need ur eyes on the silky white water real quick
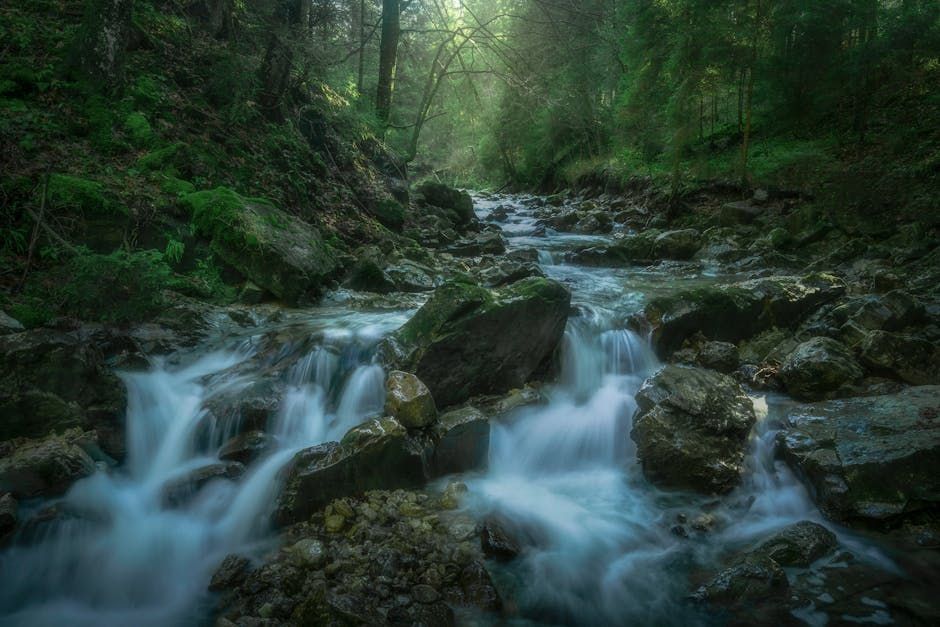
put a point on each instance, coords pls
(121, 554)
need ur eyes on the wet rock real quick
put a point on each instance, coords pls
(742, 212)
(48, 466)
(868, 461)
(906, 357)
(496, 541)
(453, 494)
(231, 572)
(9, 510)
(691, 429)
(482, 244)
(680, 245)
(409, 400)
(309, 552)
(180, 491)
(246, 409)
(460, 204)
(274, 249)
(386, 567)
(413, 277)
(9, 324)
(463, 441)
(736, 311)
(626, 250)
(52, 380)
(818, 369)
(596, 222)
(374, 456)
(752, 579)
(469, 340)
(507, 271)
(800, 544)
(246, 447)
(720, 356)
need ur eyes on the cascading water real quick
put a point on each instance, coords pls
(121, 554)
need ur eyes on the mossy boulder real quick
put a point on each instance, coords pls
(277, 251)
(409, 400)
(691, 429)
(818, 369)
(377, 455)
(469, 340)
(906, 357)
(138, 129)
(459, 203)
(52, 381)
(46, 467)
(868, 461)
(680, 245)
(736, 311)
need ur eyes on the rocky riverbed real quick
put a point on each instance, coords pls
(553, 410)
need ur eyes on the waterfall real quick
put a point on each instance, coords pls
(122, 555)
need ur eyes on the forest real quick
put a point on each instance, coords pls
(469, 312)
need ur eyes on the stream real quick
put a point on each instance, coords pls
(563, 474)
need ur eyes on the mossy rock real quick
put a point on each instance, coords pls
(138, 129)
(88, 196)
(275, 250)
(390, 213)
(469, 340)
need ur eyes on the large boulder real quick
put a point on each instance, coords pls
(52, 380)
(868, 460)
(462, 441)
(906, 357)
(377, 455)
(409, 401)
(736, 311)
(479, 244)
(46, 467)
(799, 544)
(276, 250)
(680, 245)
(459, 203)
(469, 340)
(818, 369)
(691, 429)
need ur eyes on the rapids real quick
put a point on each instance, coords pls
(562, 474)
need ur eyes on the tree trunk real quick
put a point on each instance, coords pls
(102, 41)
(388, 55)
(750, 93)
(275, 76)
(362, 46)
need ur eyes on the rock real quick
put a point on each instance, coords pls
(871, 460)
(453, 494)
(242, 410)
(818, 369)
(752, 579)
(246, 447)
(423, 593)
(309, 552)
(409, 400)
(720, 356)
(52, 380)
(482, 244)
(231, 572)
(737, 311)
(412, 277)
(469, 340)
(439, 195)
(595, 222)
(742, 212)
(9, 518)
(908, 358)
(46, 467)
(506, 271)
(496, 541)
(377, 455)
(274, 249)
(178, 492)
(463, 441)
(691, 429)
(626, 250)
(800, 544)
(9, 325)
(680, 245)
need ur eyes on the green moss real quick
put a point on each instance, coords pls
(177, 187)
(72, 192)
(389, 213)
(219, 214)
(147, 92)
(31, 312)
(448, 302)
(138, 129)
(162, 159)
(119, 287)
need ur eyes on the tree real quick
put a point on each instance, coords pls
(102, 41)
(388, 57)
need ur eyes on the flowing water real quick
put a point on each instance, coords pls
(563, 474)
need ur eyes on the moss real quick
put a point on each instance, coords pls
(162, 159)
(138, 129)
(31, 312)
(219, 214)
(72, 192)
(177, 187)
(147, 92)
(448, 302)
(389, 213)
